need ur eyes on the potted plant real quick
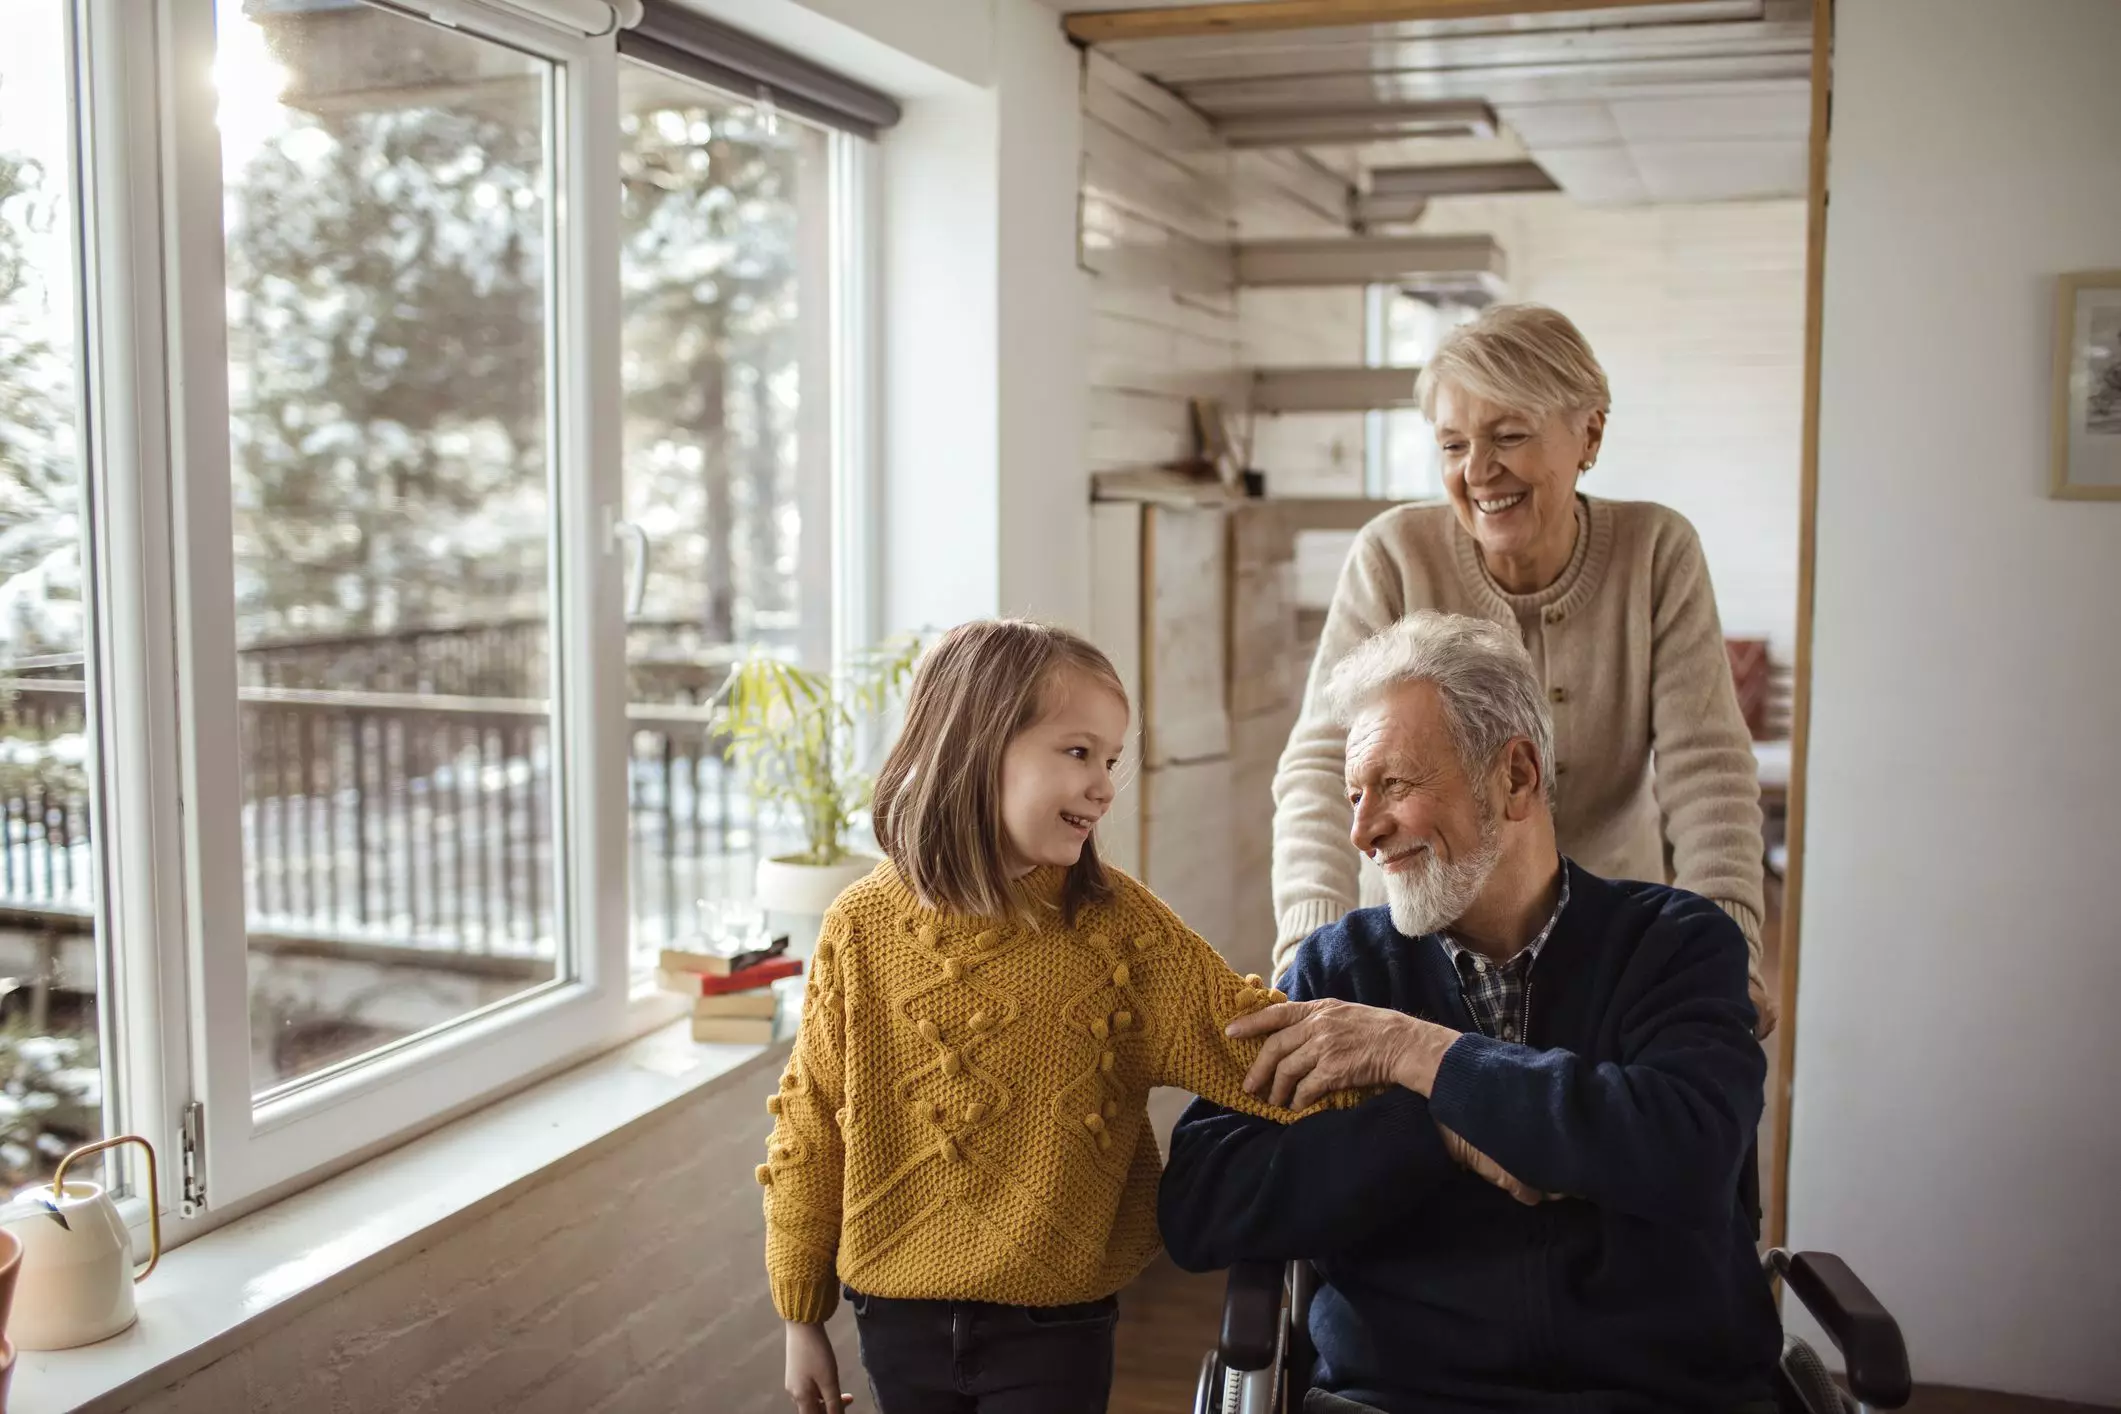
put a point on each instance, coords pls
(799, 736)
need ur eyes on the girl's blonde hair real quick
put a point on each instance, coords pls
(1526, 357)
(938, 809)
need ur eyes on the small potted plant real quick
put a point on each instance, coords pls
(799, 736)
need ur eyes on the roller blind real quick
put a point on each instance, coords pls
(577, 16)
(682, 42)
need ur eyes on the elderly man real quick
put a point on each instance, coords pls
(1541, 1208)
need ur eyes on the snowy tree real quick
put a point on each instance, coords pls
(709, 223)
(40, 562)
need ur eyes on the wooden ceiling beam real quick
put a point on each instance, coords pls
(1333, 389)
(1260, 16)
(1428, 262)
(1450, 118)
(1459, 179)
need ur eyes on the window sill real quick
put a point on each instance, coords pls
(239, 1283)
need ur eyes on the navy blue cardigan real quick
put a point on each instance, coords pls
(1637, 1095)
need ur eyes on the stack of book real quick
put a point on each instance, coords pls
(733, 996)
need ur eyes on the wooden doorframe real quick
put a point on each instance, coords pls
(1255, 16)
(1815, 208)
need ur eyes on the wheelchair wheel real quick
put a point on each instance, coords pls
(1807, 1376)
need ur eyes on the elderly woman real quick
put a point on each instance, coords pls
(1613, 601)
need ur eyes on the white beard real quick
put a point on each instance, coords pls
(1433, 895)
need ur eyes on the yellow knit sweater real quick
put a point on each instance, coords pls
(964, 1116)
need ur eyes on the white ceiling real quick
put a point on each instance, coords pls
(1707, 100)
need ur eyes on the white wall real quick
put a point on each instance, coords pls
(1044, 327)
(1697, 313)
(1958, 1050)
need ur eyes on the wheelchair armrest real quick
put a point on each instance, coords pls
(1861, 1328)
(1252, 1315)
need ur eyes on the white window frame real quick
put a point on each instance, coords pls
(173, 939)
(253, 1148)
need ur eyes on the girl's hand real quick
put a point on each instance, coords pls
(813, 1375)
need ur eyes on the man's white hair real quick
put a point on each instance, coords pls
(1491, 695)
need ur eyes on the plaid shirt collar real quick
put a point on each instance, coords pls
(1496, 993)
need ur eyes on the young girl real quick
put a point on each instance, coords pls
(962, 1135)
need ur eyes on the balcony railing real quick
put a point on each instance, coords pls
(417, 817)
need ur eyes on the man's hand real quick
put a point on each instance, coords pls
(1469, 1158)
(1764, 1005)
(813, 1375)
(1315, 1048)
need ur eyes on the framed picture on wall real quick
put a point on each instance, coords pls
(2087, 451)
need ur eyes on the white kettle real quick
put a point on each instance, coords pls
(76, 1280)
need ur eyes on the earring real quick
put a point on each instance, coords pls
(1585, 465)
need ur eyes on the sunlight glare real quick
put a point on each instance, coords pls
(249, 84)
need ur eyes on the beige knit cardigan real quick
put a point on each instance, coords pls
(1649, 744)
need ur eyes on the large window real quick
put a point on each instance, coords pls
(388, 212)
(722, 220)
(51, 1082)
(400, 437)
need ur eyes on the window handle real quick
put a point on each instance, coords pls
(637, 574)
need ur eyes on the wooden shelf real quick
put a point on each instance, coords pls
(1333, 389)
(1404, 193)
(1442, 263)
(1162, 486)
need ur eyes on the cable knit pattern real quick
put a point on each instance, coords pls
(965, 1113)
(1651, 747)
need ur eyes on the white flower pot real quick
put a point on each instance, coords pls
(795, 896)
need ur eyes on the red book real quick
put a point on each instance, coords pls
(699, 984)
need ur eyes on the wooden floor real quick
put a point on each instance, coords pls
(1167, 1320)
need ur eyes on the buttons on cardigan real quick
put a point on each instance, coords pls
(1561, 768)
(1555, 614)
(1558, 693)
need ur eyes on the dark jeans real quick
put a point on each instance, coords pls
(971, 1357)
